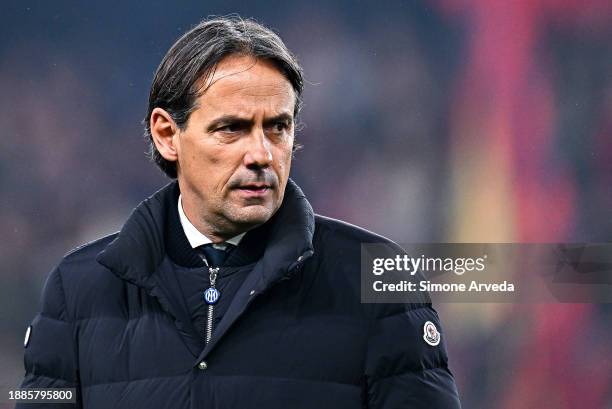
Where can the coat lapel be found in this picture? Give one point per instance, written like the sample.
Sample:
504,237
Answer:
137,256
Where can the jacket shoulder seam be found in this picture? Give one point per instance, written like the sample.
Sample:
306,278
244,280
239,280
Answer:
90,244
331,224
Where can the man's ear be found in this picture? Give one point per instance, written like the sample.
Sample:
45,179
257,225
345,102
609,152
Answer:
165,134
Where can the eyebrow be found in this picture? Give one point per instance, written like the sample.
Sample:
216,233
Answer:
236,120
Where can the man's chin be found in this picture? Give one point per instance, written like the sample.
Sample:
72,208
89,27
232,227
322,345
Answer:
253,215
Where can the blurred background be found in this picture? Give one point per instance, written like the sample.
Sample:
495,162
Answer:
425,121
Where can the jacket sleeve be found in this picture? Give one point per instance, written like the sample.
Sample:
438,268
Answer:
405,367
50,356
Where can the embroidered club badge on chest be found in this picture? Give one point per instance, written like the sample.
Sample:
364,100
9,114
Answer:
431,334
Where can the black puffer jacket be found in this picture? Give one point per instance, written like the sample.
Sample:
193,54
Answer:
294,336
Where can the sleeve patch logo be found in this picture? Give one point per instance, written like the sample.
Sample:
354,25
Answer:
431,334
26,340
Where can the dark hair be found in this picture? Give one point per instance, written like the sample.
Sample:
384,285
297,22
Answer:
192,60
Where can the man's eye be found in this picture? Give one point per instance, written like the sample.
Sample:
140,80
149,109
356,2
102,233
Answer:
229,128
279,127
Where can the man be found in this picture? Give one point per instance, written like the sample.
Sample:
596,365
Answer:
224,289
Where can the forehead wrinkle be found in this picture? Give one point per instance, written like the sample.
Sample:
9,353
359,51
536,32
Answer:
241,101
221,78
250,80
230,88
240,109
252,90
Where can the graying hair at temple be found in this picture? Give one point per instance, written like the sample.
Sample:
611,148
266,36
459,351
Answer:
192,60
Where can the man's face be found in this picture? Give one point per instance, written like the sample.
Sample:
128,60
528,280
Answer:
234,156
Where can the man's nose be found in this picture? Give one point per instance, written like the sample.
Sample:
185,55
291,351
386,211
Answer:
259,153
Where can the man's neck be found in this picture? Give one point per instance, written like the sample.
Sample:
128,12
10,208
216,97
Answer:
198,238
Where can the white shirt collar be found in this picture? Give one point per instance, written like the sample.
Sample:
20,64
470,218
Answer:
197,239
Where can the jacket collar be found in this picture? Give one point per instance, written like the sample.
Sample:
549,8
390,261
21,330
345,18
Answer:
139,249
178,249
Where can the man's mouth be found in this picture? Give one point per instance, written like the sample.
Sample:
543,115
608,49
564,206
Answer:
255,189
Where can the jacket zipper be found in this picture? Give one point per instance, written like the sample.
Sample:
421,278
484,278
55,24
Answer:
213,271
